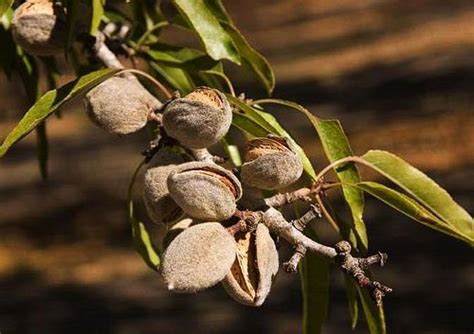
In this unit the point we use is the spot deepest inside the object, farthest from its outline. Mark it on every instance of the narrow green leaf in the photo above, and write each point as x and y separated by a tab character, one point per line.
141	237
422	188
409	207
173	54
176	77
4	6
314	276
232	151
351	294
252	59
374	315
50	102
248	125
97	14
143	244
216	40
336	146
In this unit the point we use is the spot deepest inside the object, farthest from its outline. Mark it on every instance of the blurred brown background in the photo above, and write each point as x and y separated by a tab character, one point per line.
398	74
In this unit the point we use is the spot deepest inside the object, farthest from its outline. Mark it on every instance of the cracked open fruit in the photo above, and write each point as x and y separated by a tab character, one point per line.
250	277
198	120
120	105
270	163
205	190
160	206
198	258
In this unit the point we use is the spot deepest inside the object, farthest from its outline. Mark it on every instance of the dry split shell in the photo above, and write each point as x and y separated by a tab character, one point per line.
204	190
120	105
198	120
160	206
38	27
198	258
270	163
250	278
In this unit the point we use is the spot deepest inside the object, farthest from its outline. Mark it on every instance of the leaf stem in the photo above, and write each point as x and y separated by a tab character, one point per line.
158	84
149	32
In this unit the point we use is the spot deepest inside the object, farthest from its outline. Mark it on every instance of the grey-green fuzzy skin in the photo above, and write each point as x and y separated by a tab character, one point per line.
120	105
196	124
267	262
198	258
272	171
160	206
38	27
203	196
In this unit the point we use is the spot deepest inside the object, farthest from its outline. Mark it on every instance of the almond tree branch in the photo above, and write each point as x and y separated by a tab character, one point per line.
341	253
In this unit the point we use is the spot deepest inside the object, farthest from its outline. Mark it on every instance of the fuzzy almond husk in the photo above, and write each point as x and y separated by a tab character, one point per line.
39	28
120	105
250	277
205	191
160	206
198	258
270	163
198	120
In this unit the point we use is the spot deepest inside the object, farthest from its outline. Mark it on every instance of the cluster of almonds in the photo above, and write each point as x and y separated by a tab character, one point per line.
200	251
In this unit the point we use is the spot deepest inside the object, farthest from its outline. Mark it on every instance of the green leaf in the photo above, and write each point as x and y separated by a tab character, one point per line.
141	237
252	59
248	125
232	152
422	188
351	294
50	102
176	77
217	42
314	276
143	244
97	14
336	146
4	6
374	315
411	208
271	125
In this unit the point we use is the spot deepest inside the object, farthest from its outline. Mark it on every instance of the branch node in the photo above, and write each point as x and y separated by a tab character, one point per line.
292	265
300	223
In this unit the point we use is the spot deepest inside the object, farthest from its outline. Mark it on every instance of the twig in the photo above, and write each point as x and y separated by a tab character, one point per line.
292	264
353	266
104	54
276	223
356	267
300	223
203	154
278	200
